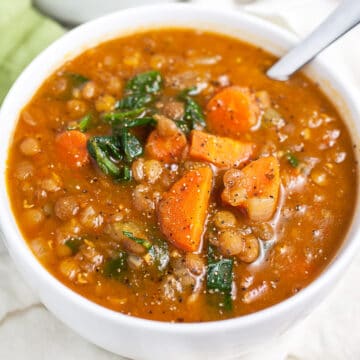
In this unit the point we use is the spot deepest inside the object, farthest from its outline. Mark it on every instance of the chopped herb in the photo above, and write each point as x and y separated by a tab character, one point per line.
145	243
74	244
131	145
292	159
116	268
141	90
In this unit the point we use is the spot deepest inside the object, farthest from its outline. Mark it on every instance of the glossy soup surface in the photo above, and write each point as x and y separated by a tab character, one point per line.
134	205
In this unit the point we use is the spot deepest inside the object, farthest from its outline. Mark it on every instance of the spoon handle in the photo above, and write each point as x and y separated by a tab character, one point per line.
343	19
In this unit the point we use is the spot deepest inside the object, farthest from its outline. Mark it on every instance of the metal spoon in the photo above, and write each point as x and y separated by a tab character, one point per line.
339	22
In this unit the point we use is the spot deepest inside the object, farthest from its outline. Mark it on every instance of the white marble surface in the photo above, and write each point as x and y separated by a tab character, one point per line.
29	331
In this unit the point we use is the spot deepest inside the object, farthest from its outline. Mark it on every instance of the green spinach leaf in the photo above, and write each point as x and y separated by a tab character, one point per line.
106	151
145	243
117	117
193	116
116	268
125	173
134	101
131	145
219	278
131	123
129	119
148	82
141	90
74	244
219	275
110	152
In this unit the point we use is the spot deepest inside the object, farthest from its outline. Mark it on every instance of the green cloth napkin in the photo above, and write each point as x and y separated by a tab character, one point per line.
24	33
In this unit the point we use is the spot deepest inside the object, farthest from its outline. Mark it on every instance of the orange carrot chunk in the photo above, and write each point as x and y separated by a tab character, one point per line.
71	148
221	151
165	148
232	111
255	188
182	210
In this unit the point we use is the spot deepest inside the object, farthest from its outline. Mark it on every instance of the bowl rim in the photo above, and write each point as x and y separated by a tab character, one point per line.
15	242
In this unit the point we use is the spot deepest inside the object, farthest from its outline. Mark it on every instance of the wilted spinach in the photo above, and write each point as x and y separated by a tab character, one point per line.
130	123
145	243
116	268
142	89
117	117
107	152
114	153
193	116
131	145
73	244
147	82
219	277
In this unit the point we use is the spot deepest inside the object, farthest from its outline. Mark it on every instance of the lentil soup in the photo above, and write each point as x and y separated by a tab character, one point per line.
164	176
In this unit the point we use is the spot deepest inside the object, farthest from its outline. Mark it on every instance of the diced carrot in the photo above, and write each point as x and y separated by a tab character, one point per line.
221	151
255	188
232	111
71	148
182	210
165	148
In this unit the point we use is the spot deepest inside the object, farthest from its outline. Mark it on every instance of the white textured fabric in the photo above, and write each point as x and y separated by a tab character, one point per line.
332	332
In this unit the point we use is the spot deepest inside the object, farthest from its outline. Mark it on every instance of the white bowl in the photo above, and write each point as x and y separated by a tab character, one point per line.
144	339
